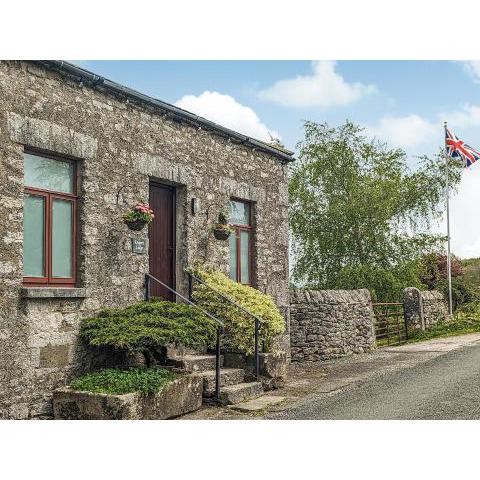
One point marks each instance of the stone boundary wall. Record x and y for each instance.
(326, 324)
(424, 309)
(435, 307)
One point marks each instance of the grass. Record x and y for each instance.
(462, 323)
(119, 381)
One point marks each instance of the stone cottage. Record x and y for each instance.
(77, 151)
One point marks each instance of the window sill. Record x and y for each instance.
(53, 292)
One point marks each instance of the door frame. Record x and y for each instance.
(173, 189)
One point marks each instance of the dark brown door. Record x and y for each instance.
(162, 239)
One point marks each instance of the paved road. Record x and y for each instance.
(445, 387)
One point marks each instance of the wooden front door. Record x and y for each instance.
(161, 236)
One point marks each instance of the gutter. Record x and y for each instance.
(172, 111)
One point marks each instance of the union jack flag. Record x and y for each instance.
(458, 149)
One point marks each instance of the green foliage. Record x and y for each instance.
(434, 267)
(359, 216)
(433, 273)
(147, 326)
(462, 323)
(471, 267)
(239, 327)
(385, 285)
(463, 292)
(117, 382)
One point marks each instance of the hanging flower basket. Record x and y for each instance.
(139, 216)
(221, 229)
(135, 225)
(222, 232)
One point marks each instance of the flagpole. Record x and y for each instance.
(449, 264)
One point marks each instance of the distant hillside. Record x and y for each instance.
(471, 267)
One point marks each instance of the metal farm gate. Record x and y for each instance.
(389, 324)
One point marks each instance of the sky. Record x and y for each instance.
(401, 102)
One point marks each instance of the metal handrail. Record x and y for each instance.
(220, 325)
(147, 292)
(258, 321)
(224, 296)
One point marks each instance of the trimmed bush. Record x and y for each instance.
(239, 327)
(117, 382)
(146, 327)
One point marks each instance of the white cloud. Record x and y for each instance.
(226, 111)
(472, 67)
(464, 227)
(323, 88)
(468, 116)
(404, 132)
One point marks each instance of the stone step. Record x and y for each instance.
(240, 392)
(228, 376)
(195, 363)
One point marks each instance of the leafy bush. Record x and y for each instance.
(471, 267)
(463, 292)
(117, 382)
(239, 327)
(385, 284)
(146, 327)
(433, 268)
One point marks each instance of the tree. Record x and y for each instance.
(433, 268)
(433, 274)
(360, 217)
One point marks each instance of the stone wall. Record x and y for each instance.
(435, 307)
(424, 309)
(119, 146)
(327, 324)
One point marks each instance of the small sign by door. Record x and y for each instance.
(139, 245)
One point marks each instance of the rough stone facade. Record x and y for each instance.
(435, 307)
(424, 309)
(119, 146)
(330, 323)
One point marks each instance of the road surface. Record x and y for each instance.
(445, 387)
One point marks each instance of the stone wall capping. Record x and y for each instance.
(52, 292)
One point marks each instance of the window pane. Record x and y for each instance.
(48, 174)
(239, 213)
(233, 256)
(61, 238)
(33, 236)
(245, 256)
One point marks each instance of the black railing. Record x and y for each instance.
(258, 321)
(220, 324)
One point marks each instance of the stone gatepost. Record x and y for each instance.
(413, 308)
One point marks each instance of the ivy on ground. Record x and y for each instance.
(117, 382)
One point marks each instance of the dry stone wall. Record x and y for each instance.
(424, 309)
(435, 307)
(326, 324)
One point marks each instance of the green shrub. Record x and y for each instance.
(239, 327)
(117, 382)
(385, 284)
(463, 292)
(146, 327)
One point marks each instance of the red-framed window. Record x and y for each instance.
(49, 220)
(241, 241)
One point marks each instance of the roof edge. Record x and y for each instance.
(174, 112)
